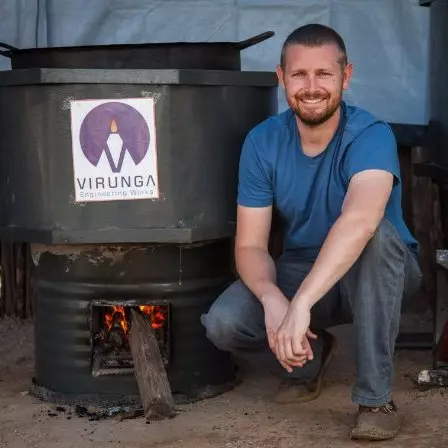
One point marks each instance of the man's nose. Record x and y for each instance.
(311, 83)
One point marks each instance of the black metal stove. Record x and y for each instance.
(124, 180)
(84, 298)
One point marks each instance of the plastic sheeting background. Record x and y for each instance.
(387, 40)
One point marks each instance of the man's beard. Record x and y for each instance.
(313, 118)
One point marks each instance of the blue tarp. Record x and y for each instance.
(387, 40)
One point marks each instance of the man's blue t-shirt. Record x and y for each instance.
(308, 192)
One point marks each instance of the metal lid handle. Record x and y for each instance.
(254, 40)
(8, 47)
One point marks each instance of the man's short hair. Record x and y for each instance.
(315, 35)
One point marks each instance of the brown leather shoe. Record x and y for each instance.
(380, 423)
(291, 391)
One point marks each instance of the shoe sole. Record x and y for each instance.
(373, 437)
(320, 376)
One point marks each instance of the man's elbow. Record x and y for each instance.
(370, 225)
(369, 228)
(242, 255)
(366, 225)
(241, 250)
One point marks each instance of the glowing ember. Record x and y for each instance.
(156, 315)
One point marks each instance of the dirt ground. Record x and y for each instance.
(245, 417)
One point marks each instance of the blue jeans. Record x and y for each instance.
(369, 295)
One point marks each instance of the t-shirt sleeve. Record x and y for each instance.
(255, 177)
(374, 149)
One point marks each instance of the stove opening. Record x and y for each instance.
(110, 326)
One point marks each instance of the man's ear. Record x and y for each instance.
(280, 74)
(348, 71)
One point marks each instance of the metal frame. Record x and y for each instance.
(131, 303)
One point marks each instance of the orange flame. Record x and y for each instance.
(156, 315)
(122, 319)
(113, 126)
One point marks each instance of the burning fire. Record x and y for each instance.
(117, 314)
(156, 315)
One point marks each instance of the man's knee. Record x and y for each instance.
(220, 327)
(226, 321)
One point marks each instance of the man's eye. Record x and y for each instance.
(298, 75)
(325, 74)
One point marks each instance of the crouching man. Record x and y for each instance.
(332, 172)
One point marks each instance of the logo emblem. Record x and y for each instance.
(114, 147)
(114, 129)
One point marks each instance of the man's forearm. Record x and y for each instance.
(344, 244)
(257, 270)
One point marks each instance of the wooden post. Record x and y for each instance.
(424, 205)
(152, 380)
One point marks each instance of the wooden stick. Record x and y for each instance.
(423, 224)
(152, 380)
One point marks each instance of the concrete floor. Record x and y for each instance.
(245, 417)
